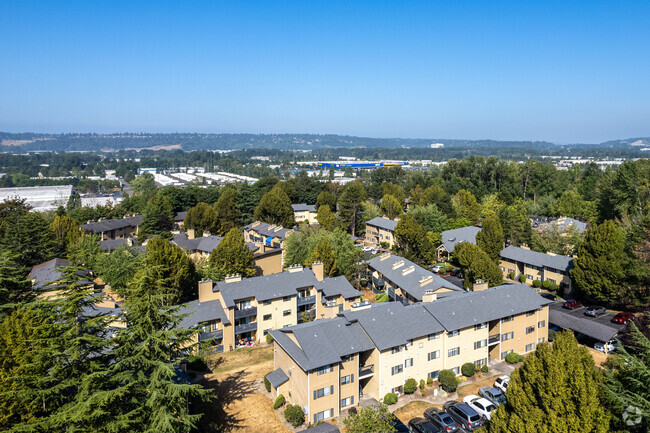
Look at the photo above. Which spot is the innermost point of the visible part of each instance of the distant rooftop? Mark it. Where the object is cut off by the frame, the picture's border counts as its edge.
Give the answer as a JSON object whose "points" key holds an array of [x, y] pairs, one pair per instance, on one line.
{"points": [[523, 255], [382, 223], [464, 234]]}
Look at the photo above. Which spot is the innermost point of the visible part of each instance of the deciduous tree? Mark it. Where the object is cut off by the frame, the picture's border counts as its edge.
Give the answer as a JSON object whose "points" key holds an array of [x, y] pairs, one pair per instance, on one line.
{"points": [[390, 206], [412, 241], [201, 218], [232, 256], [490, 238], [326, 218], [275, 208], [227, 212], [466, 206], [370, 419]]}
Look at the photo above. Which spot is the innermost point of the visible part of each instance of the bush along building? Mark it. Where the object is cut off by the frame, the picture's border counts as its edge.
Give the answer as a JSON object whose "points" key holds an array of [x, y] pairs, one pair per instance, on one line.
{"points": [[326, 366], [241, 311], [554, 268]]}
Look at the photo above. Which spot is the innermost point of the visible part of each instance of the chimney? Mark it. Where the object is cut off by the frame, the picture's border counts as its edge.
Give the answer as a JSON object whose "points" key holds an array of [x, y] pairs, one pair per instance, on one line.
{"points": [[233, 278], [551, 254], [205, 291], [191, 234], [255, 224], [398, 265], [295, 268], [525, 247], [480, 285], [426, 280], [384, 257], [319, 270], [408, 270], [429, 296]]}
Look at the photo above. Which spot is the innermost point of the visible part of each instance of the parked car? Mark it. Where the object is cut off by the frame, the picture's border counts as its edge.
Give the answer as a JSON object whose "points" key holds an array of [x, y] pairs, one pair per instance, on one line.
{"points": [[572, 304], [482, 406], [421, 425], [441, 419], [502, 383], [622, 318], [457, 273], [436, 268], [550, 296], [492, 394], [607, 347], [464, 415], [595, 310], [366, 249]]}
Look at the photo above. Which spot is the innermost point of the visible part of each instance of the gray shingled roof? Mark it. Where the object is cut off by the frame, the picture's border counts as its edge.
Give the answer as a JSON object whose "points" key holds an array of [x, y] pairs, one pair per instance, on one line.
{"points": [[277, 377], [200, 312], [383, 223], [322, 342], [263, 229], [472, 308], [322, 428], [410, 282], [562, 263], [51, 271], [566, 222], [338, 286], [113, 244], [301, 207], [95, 310], [464, 234], [108, 225], [180, 216], [391, 324], [266, 287]]}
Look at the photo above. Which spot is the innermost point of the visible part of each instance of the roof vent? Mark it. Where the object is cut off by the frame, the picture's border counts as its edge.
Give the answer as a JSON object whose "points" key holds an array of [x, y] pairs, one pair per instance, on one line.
{"points": [[398, 265], [384, 257], [408, 270], [452, 239]]}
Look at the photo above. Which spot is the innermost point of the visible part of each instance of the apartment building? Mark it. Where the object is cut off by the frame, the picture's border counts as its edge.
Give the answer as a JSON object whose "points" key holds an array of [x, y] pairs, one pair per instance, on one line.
{"points": [[537, 266], [326, 366], [380, 229], [406, 282], [254, 306], [452, 237], [119, 228], [269, 235], [304, 213]]}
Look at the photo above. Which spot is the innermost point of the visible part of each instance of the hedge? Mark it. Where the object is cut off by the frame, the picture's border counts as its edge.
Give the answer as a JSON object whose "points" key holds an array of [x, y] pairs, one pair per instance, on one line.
{"points": [[513, 358], [410, 386], [485, 369], [269, 338], [537, 283], [468, 369], [267, 384], [279, 402], [448, 380], [390, 398], [294, 415], [511, 275], [430, 381], [522, 278]]}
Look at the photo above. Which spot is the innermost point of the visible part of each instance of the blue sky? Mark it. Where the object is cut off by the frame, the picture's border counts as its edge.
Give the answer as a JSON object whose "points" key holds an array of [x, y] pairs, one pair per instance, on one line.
{"points": [[564, 71]]}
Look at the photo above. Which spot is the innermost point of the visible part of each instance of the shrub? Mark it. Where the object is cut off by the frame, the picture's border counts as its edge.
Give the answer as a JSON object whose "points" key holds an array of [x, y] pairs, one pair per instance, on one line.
{"points": [[551, 335], [294, 415], [513, 358], [390, 398], [422, 384], [363, 283], [279, 402], [269, 338], [382, 297], [537, 283], [448, 380], [267, 384], [522, 278], [552, 287], [430, 381], [485, 369], [468, 369], [384, 245], [410, 386], [196, 363], [511, 275], [423, 392]]}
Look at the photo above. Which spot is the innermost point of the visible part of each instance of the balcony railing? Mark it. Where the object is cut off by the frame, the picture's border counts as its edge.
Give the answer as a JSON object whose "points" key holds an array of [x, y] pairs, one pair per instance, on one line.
{"points": [[207, 335], [306, 300], [211, 350], [366, 370], [494, 339], [247, 327], [246, 312]]}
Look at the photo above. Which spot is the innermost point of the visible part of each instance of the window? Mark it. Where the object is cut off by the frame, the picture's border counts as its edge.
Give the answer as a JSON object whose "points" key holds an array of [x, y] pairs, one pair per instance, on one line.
{"points": [[502, 268], [347, 401], [433, 374], [479, 344], [507, 336], [347, 358], [510, 270], [455, 351], [453, 333], [215, 326], [480, 362], [551, 280], [507, 319], [541, 323], [409, 343], [323, 392], [408, 362], [504, 354], [286, 298], [267, 317], [323, 370], [530, 330], [268, 302], [347, 379], [398, 389], [286, 313], [456, 370], [421, 345], [540, 340], [530, 277], [323, 415], [530, 313], [396, 349], [397, 369], [480, 326], [530, 347], [434, 355], [434, 336]]}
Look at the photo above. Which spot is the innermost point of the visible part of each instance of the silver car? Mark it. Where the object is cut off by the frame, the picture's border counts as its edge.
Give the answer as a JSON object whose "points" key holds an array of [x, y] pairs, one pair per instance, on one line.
{"points": [[595, 310]]}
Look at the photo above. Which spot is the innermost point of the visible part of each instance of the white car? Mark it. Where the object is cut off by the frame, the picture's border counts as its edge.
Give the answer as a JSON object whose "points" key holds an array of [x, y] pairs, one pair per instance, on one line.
{"points": [[483, 406], [436, 268], [606, 347], [367, 249], [502, 383]]}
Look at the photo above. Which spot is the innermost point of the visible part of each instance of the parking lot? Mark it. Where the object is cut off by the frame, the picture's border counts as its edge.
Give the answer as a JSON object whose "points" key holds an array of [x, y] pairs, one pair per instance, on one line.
{"points": [[599, 328]]}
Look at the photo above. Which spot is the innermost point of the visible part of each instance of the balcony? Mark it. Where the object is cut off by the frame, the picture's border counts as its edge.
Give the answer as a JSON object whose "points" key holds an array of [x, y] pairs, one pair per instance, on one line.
{"points": [[208, 335], [211, 350], [247, 327], [246, 312], [306, 300], [366, 371], [494, 339]]}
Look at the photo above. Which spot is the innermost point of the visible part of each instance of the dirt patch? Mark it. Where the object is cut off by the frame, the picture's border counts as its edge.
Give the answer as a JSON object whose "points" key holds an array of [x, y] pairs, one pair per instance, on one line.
{"points": [[599, 357], [473, 385], [257, 356], [369, 295], [413, 409]]}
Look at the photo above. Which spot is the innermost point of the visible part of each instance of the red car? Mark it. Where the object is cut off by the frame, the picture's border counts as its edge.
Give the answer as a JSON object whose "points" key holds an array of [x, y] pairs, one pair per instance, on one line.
{"points": [[571, 304], [622, 318]]}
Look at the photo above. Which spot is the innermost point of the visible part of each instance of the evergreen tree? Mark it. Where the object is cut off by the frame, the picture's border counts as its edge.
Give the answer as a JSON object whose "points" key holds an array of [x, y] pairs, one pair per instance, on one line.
{"points": [[30, 237], [201, 218], [430, 217], [275, 208], [476, 265], [66, 231], [412, 241], [490, 238], [516, 224], [570, 204], [324, 253], [326, 219], [119, 267], [370, 419], [391, 207], [350, 206], [85, 251], [158, 218], [13, 284], [74, 202], [598, 269], [228, 214], [173, 266], [326, 198], [232, 256], [556, 390]]}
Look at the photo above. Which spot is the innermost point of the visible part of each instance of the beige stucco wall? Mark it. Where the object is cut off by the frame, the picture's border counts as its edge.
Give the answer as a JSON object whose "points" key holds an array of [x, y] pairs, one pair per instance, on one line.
{"points": [[276, 309], [332, 401], [295, 390], [268, 264]]}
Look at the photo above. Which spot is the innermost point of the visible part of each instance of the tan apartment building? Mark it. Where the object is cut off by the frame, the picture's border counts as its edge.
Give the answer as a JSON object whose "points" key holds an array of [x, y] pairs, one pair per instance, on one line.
{"points": [[254, 306], [118, 228], [537, 266], [269, 235], [326, 366], [380, 229], [406, 282], [304, 213], [450, 238]]}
